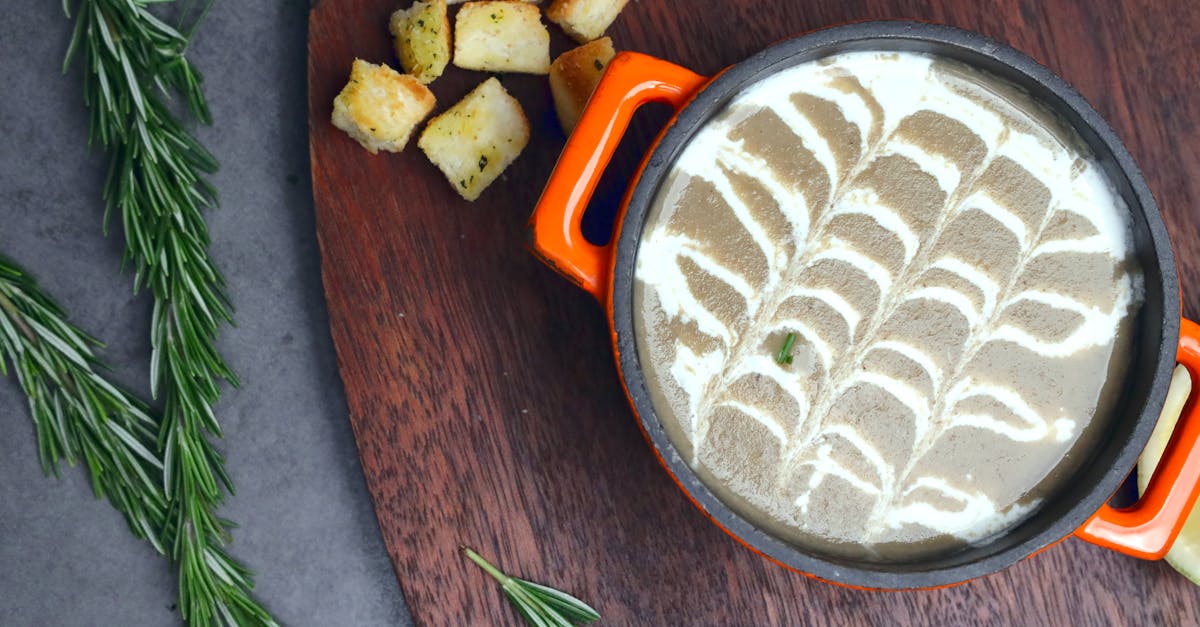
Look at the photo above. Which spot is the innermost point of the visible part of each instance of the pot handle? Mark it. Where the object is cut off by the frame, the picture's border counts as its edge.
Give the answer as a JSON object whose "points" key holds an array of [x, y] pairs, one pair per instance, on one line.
{"points": [[630, 81], [1148, 528]]}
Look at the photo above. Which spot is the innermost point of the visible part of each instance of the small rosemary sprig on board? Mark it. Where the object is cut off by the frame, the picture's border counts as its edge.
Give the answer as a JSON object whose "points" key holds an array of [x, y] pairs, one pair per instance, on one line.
{"points": [[133, 64], [78, 414], [539, 605]]}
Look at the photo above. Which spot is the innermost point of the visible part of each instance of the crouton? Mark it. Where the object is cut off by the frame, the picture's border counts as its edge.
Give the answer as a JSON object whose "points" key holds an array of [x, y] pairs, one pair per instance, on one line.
{"points": [[462, 1], [421, 35], [573, 77], [380, 107], [501, 36], [476, 139], [584, 20]]}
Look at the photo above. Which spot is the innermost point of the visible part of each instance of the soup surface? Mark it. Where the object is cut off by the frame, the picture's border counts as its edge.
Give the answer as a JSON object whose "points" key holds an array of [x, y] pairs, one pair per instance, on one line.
{"points": [[954, 271]]}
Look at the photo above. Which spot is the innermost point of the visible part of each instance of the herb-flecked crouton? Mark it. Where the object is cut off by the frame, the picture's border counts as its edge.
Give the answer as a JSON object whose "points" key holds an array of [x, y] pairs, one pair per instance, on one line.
{"points": [[584, 20], [501, 36], [475, 140], [380, 107], [421, 35], [573, 77]]}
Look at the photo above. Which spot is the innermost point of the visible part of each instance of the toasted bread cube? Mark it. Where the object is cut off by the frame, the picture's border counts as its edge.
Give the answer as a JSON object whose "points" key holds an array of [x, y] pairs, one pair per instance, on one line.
{"points": [[501, 36], [421, 35], [585, 20], [380, 107], [476, 139], [573, 78], [462, 1]]}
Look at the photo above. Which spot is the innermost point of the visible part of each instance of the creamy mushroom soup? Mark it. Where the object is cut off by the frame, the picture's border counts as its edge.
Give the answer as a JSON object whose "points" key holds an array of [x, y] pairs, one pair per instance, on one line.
{"points": [[954, 271]]}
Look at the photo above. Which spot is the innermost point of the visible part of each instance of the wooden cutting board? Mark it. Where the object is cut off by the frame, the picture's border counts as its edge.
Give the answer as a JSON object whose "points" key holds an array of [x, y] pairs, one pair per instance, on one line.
{"points": [[482, 390]]}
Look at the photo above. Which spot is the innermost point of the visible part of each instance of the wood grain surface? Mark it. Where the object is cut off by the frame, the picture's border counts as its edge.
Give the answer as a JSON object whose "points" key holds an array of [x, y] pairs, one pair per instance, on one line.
{"points": [[481, 385]]}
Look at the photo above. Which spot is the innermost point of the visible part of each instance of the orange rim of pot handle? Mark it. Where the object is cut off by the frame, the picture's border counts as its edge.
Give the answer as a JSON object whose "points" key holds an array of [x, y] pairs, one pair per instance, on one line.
{"points": [[630, 81], [1149, 527]]}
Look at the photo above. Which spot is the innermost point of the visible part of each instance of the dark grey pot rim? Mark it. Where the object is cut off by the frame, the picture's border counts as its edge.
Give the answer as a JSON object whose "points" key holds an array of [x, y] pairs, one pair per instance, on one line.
{"points": [[1152, 359]]}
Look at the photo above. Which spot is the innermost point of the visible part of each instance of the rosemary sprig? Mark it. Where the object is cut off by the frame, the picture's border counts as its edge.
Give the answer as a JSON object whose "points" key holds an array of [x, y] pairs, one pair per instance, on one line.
{"points": [[78, 414], [133, 64], [784, 356], [539, 605]]}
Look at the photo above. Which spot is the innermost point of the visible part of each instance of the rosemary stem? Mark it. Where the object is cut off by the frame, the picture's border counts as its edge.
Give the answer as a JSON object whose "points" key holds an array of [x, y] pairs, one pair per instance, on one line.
{"points": [[14, 314], [487, 567], [539, 605]]}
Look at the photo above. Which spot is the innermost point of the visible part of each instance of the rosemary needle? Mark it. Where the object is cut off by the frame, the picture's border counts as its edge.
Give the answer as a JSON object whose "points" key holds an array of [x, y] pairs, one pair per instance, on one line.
{"points": [[541, 606], [785, 352]]}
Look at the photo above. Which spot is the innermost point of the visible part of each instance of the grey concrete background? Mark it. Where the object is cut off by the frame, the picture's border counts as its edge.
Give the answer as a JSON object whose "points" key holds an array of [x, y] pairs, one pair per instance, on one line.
{"points": [[307, 527]]}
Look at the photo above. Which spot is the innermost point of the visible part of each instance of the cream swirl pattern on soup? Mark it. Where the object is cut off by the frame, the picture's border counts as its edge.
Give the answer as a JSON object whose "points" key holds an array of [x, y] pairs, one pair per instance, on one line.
{"points": [[956, 271]]}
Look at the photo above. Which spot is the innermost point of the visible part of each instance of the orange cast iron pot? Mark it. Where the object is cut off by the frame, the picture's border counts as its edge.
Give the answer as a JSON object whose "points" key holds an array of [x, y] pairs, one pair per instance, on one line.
{"points": [[1145, 529]]}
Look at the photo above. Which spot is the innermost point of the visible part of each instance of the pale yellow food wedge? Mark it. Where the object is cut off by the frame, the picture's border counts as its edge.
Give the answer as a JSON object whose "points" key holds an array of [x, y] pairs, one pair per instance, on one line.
{"points": [[475, 140], [1184, 555]]}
